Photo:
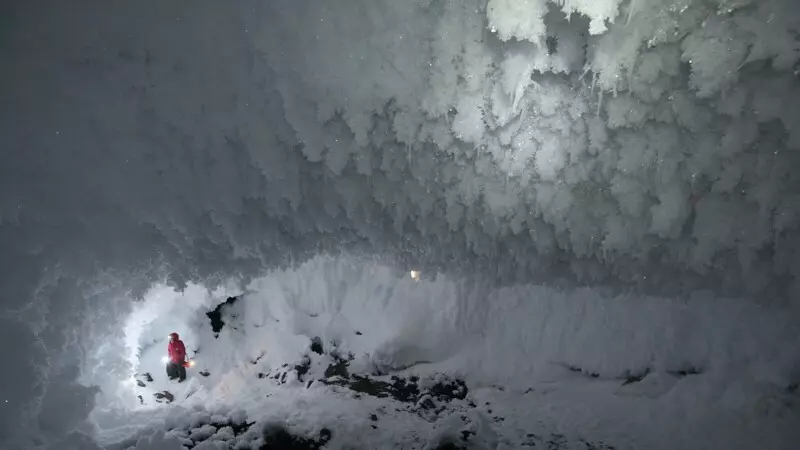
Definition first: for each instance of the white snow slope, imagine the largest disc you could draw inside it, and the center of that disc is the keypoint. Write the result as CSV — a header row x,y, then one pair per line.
x,y
541,157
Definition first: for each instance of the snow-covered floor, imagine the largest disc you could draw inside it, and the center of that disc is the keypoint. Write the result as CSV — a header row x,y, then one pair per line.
x,y
543,368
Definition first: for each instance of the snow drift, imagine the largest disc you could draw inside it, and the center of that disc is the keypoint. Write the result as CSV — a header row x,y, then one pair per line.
x,y
644,144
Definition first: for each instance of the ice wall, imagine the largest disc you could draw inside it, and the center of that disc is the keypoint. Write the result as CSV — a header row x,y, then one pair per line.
x,y
651,142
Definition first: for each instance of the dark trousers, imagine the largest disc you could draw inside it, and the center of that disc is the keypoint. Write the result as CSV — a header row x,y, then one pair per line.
x,y
176,370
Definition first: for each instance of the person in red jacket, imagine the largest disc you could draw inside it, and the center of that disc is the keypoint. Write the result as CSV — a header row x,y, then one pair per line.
x,y
176,366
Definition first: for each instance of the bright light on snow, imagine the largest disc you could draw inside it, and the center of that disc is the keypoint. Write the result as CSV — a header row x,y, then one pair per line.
x,y
415,275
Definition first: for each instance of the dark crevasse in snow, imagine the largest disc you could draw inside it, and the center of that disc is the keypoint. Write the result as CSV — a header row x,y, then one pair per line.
x,y
215,316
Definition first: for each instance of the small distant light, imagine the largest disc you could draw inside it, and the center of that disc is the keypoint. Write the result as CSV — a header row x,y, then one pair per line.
x,y
415,275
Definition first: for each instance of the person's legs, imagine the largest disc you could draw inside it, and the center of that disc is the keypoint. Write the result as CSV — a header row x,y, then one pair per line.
x,y
171,370
181,372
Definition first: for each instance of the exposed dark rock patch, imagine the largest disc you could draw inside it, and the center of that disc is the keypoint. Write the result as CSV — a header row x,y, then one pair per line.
x,y
557,441
277,438
239,428
316,345
448,389
597,446
255,361
140,383
686,371
358,333
215,316
205,373
281,375
148,377
337,369
585,372
448,445
635,378
302,368
164,397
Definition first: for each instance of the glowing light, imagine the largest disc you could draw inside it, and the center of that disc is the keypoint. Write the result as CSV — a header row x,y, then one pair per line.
x,y
165,359
415,275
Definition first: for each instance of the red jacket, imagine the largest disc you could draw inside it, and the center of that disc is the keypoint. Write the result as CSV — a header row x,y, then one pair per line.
x,y
177,351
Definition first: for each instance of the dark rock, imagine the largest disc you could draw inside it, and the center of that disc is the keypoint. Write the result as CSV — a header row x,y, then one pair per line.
x,y
303,368
578,369
316,345
358,333
373,417
140,383
277,438
448,445
215,316
338,368
325,436
164,396
148,377
635,378
205,373
450,389
141,400
596,446
686,371
240,428
426,403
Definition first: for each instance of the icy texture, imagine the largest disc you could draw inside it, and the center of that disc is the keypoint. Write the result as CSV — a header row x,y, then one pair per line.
x,y
647,142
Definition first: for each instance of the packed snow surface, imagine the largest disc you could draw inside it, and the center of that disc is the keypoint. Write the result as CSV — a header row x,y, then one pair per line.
x,y
613,179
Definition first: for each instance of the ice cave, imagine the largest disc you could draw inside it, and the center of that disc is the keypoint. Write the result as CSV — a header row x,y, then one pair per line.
x,y
400,224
